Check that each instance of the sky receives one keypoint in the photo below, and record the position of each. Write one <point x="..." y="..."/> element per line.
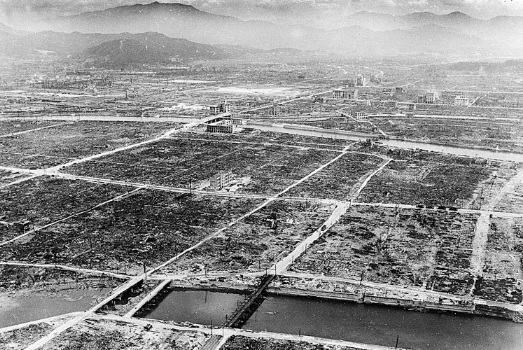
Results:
<point x="275" y="10"/>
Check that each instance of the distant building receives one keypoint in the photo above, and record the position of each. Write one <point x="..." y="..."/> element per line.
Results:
<point x="408" y="106"/>
<point x="361" y="80"/>
<point x="22" y="226"/>
<point x="274" y="110"/>
<point x="360" y="115"/>
<point x="223" y="107"/>
<point x="339" y="94"/>
<point x="345" y="94"/>
<point x="225" y="126"/>
<point x="221" y="180"/>
<point x="429" y="97"/>
<point x="462" y="101"/>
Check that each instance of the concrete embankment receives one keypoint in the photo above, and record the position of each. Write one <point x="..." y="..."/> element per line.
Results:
<point x="477" y="307"/>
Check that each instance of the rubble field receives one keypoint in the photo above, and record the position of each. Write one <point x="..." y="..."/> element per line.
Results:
<point x="28" y="280"/>
<point x="257" y="242"/>
<point x="43" y="200"/>
<point x="247" y="135"/>
<point x="502" y="276"/>
<point x="428" y="179"/>
<point x="148" y="227"/>
<point x="238" y="342"/>
<point x="107" y="334"/>
<point x="492" y="134"/>
<point x="59" y="145"/>
<point x="408" y="248"/>
<point x="13" y="126"/>
<point x="339" y="179"/>
<point x="10" y="176"/>
<point x="20" y="338"/>
<point x="512" y="202"/>
<point x="258" y="168"/>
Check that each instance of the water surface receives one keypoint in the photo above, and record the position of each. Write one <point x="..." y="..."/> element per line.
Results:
<point x="381" y="325"/>
<point x="20" y="309"/>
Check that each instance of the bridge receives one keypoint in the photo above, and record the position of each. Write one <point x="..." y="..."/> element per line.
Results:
<point x="249" y="306"/>
<point x="242" y="312"/>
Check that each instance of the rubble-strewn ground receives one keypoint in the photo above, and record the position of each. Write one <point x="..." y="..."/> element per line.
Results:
<point x="503" y="134"/>
<point x="8" y="127"/>
<point x="502" y="278"/>
<point x="184" y="163"/>
<point x="20" y="338"/>
<point x="338" y="180"/>
<point x="257" y="242"/>
<point x="512" y="202"/>
<point x="398" y="247"/>
<point x="96" y="334"/>
<point x="44" y="200"/>
<point x="54" y="146"/>
<point x="382" y="250"/>
<point x="27" y="279"/>
<point x="426" y="178"/>
<point x="148" y="228"/>
<point x="7" y="177"/>
<point x="239" y="342"/>
<point x="248" y="135"/>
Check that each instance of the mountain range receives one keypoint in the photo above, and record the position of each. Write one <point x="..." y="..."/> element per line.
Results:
<point x="381" y="34"/>
<point x="360" y="34"/>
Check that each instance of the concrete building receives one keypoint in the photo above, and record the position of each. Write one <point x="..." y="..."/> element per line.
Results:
<point x="462" y="101"/>
<point x="274" y="110"/>
<point x="223" y="107"/>
<point x="361" y="80"/>
<point x="221" y="180"/>
<point x="429" y="97"/>
<point x="22" y="226"/>
<point x="225" y="126"/>
<point x="345" y="94"/>
<point x="360" y="115"/>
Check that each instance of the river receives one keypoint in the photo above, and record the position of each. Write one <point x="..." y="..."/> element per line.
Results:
<point x="24" y="308"/>
<point x="369" y="324"/>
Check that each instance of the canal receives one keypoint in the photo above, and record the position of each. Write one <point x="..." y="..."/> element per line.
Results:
<point x="370" y="324"/>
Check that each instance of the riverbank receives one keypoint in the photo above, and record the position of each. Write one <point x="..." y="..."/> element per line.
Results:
<point x="319" y="287"/>
<point x="405" y="298"/>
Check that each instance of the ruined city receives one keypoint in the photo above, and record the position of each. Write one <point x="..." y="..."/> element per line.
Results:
<point x="238" y="185"/>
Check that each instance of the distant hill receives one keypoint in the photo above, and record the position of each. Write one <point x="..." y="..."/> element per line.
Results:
<point x="111" y="49"/>
<point x="149" y="48"/>
<point x="365" y="33"/>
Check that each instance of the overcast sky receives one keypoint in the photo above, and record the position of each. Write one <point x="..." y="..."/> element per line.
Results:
<point x="275" y="9"/>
